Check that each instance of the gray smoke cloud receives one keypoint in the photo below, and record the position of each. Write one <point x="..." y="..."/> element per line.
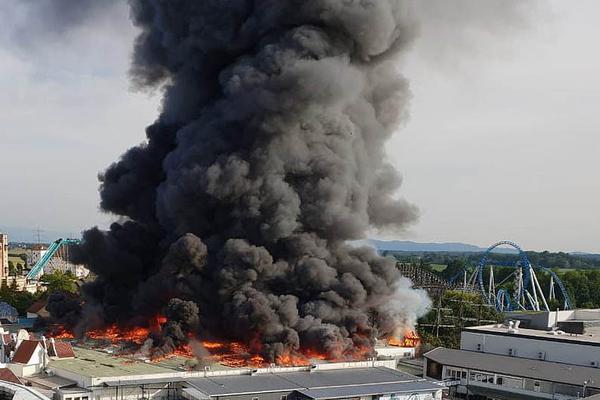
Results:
<point x="267" y="158"/>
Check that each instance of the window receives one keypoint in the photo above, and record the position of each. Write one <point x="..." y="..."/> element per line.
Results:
<point x="283" y="397"/>
<point x="499" y="380"/>
<point x="255" y="398"/>
<point x="463" y="374"/>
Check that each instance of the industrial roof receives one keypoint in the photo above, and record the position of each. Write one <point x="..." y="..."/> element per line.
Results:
<point x="591" y="338"/>
<point x="93" y="363"/>
<point x="51" y="382"/>
<point x="515" y="366"/>
<point x="369" y="390"/>
<point x="288" y="381"/>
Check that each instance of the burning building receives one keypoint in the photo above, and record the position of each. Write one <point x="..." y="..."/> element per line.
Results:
<point x="266" y="159"/>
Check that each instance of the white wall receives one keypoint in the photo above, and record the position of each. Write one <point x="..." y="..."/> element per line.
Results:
<point x="563" y="352"/>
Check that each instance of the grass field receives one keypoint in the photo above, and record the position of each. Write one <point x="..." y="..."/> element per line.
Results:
<point x="438" y="267"/>
<point x="16" y="260"/>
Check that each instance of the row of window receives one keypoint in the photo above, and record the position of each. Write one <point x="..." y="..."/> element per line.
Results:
<point x="76" y="398"/>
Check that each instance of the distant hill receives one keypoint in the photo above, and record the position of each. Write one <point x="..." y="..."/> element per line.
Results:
<point x="450" y="247"/>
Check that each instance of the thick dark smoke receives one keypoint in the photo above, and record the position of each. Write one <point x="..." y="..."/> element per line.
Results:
<point x="267" y="158"/>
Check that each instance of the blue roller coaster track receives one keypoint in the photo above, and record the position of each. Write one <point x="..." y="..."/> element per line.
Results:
<point x="502" y="300"/>
<point x="38" y="268"/>
<point x="524" y="261"/>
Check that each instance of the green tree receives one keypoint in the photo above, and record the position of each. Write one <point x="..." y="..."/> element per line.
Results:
<point x="458" y="309"/>
<point x="59" y="281"/>
<point x="11" y="268"/>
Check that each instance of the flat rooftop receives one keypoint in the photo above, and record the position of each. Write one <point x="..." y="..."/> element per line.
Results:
<point x="315" y="384"/>
<point x="513" y="366"/>
<point x="94" y="363"/>
<point x="591" y="337"/>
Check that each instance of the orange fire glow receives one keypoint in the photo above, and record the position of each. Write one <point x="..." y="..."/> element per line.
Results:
<point x="410" y="339"/>
<point x="60" y="332"/>
<point x="229" y="353"/>
<point x="116" y="334"/>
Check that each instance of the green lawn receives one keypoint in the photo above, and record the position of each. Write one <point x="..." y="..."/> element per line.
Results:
<point x="16" y="260"/>
<point x="438" y="267"/>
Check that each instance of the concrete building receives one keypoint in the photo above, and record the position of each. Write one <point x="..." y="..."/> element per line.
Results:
<point x="313" y="384"/>
<point x="508" y="361"/>
<point x="98" y="376"/>
<point x="56" y="263"/>
<point x="3" y="256"/>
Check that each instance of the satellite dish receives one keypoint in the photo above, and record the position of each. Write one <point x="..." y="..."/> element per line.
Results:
<point x="22" y="335"/>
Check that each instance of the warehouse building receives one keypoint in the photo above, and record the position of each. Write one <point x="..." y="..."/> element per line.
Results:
<point x="344" y="383"/>
<point x="96" y="375"/>
<point x="508" y="361"/>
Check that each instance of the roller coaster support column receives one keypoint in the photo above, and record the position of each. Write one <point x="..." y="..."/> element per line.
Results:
<point x="492" y="288"/>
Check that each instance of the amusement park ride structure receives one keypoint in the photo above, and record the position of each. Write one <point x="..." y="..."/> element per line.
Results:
<point x="527" y="291"/>
<point x="59" y="247"/>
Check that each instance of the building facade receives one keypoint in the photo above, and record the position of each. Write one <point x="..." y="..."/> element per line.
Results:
<point x="3" y="256"/>
<point x="508" y="362"/>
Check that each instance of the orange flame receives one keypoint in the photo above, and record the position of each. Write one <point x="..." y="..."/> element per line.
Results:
<point x="229" y="353"/>
<point x="410" y="339"/>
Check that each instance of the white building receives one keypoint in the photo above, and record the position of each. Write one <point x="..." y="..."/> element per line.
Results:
<point x="102" y="376"/>
<point x="509" y="361"/>
<point x="56" y="263"/>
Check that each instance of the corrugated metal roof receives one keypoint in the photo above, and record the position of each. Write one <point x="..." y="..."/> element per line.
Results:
<point x="144" y="381"/>
<point x="369" y="390"/>
<point x="515" y="366"/>
<point x="288" y="381"/>
<point x="195" y="393"/>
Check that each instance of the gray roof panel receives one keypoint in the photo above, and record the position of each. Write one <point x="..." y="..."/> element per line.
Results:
<point x="515" y="366"/>
<point x="288" y="381"/>
<point x="369" y="390"/>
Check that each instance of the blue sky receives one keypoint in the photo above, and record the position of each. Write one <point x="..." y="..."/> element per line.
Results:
<point x="502" y="142"/>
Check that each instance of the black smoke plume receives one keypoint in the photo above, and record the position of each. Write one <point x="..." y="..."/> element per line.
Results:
<point x="267" y="158"/>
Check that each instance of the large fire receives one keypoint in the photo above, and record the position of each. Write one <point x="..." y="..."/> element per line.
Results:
<point x="410" y="339"/>
<point x="229" y="353"/>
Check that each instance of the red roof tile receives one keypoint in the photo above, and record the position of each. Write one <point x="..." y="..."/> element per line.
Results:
<point x="7" y="375"/>
<point x="63" y="350"/>
<point x="25" y="351"/>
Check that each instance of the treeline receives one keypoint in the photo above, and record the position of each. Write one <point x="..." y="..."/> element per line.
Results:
<point x="56" y="282"/>
<point x="582" y="285"/>
<point x="442" y="325"/>
<point x="544" y="259"/>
